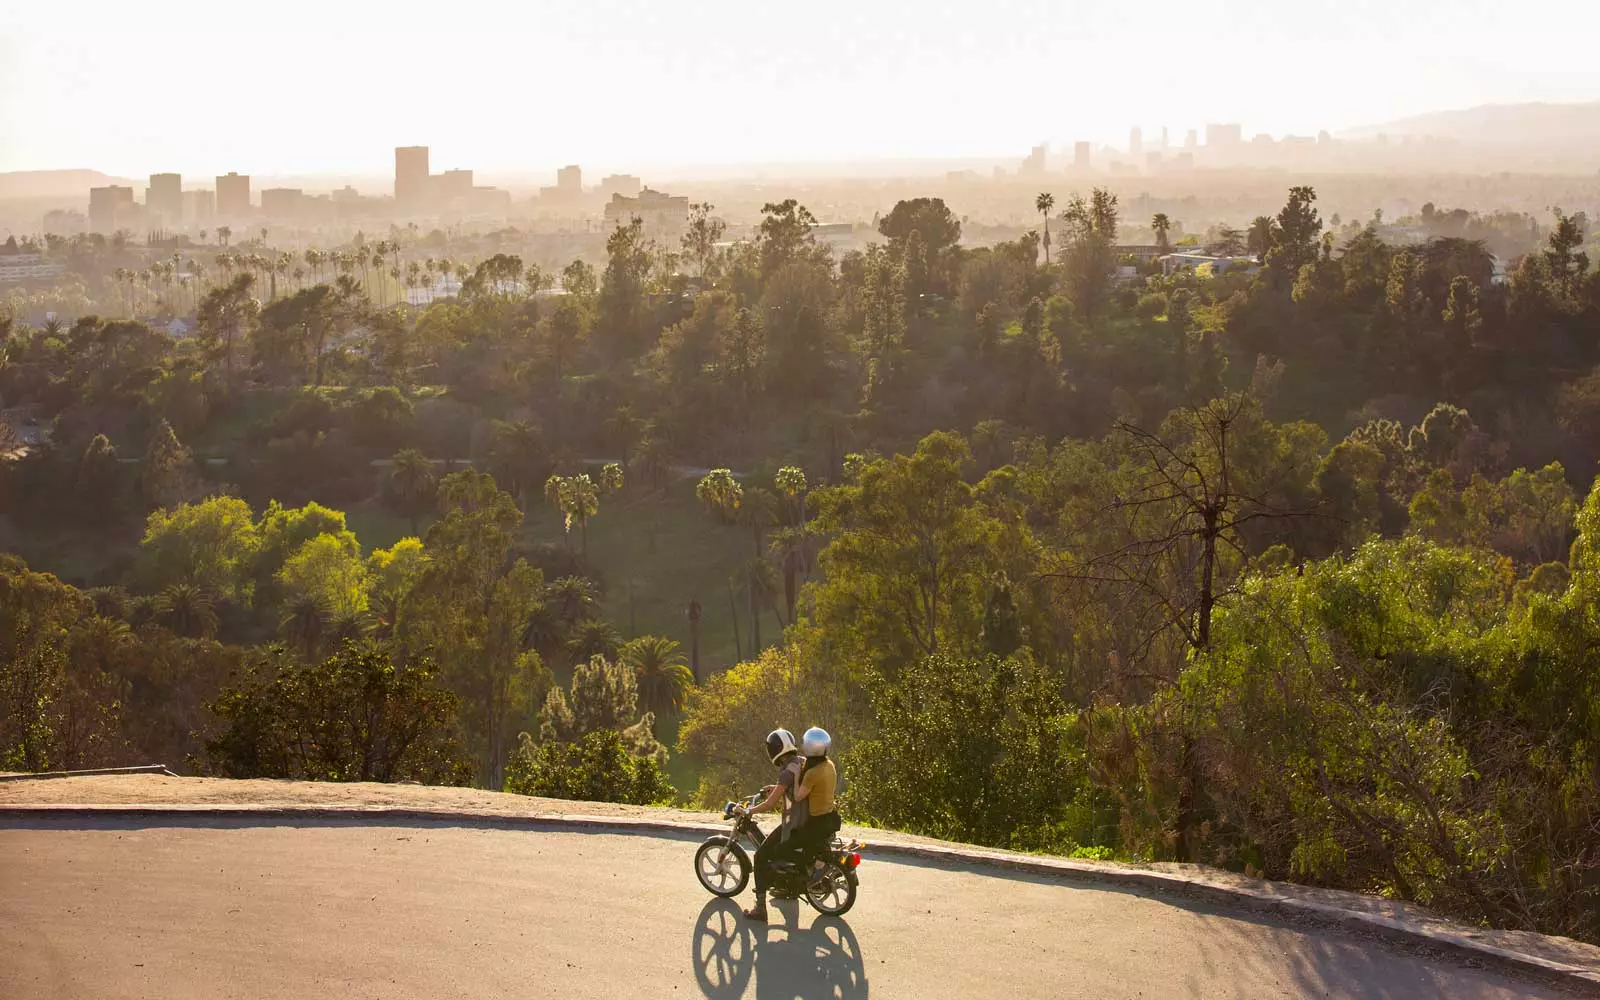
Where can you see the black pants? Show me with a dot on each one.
(808, 840)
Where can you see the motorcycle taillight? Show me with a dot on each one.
(854, 860)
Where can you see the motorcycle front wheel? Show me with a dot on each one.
(834, 892)
(722, 867)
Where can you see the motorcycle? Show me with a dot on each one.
(827, 881)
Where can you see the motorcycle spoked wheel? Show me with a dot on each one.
(834, 892)
(722, 866)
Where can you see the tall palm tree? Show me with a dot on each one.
(1162, 226)
(664, 678)
(1043, 204)
(413, 483)
(187, 610)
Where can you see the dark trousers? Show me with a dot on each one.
(809, 839)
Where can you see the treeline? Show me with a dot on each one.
(1278, 565)
(1201, 642)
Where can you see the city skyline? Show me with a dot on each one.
(982, 86)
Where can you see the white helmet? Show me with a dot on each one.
(779, 743)
(816, 742)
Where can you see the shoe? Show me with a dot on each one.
(758, 912)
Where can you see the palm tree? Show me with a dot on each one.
(1162, 225)
(413, 483)
(595, 637)
(187, 610)
(1043, 204)
(664, 679)
(574, 598)
(789, 545)
(304, 623)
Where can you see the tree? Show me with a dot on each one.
(519, 458)
(1162, 226)
(1088, 251)
(211, 545)
(1044, 204)
(329, 570)
(167, 475)
(412, 485)
(784, 235)
(623, 286)
(354, 717)
(225, 318)
(578, 498)
(663, 678)
(187, 610)
(700, 238)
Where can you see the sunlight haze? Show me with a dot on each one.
(509, 88)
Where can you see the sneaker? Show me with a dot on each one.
(758, 912)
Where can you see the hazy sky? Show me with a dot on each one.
(332, 86)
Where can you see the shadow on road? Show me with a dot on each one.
(787, 962)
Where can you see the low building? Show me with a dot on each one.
(662, 214)
(1175, 262)
(65, 222)
(18, 265)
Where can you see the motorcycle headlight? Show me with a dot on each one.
(727, 811)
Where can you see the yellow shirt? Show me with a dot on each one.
(821, 779)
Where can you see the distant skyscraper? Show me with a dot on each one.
(626, 185)
(1034, 165)
(233, 195)
(1135, 142)
(411, 178)
(569, 180)
(109, 208)
(452, 185)
(282, 203)
(1191, 140)
(163, 199)
(199, 206)
(1224, 136)
(1081, 157)
(1163, 138)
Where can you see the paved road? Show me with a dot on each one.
(145, 908)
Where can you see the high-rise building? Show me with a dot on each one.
(1135, 142)
(569, 180)
(233, 195)
(1191, 140)
(452, 186)
(1081, 161)
(1034, 165)
(626, 185)
(110, 209)
(1163, 138)
(1224, 136)
(411, 183)
(163, 200)
(282, 203)
(199, 207)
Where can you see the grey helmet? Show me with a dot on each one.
(780, 742)
(816, 742)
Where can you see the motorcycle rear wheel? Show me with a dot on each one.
(834, 892)
(722, 867)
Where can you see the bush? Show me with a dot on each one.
(354, 717)
(596, 768)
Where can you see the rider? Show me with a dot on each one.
(811, 820)
(786, 757)
(818, 783)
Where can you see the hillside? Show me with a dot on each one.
(1553, 125)
(73, 184)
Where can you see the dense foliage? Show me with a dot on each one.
(1280, 562)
